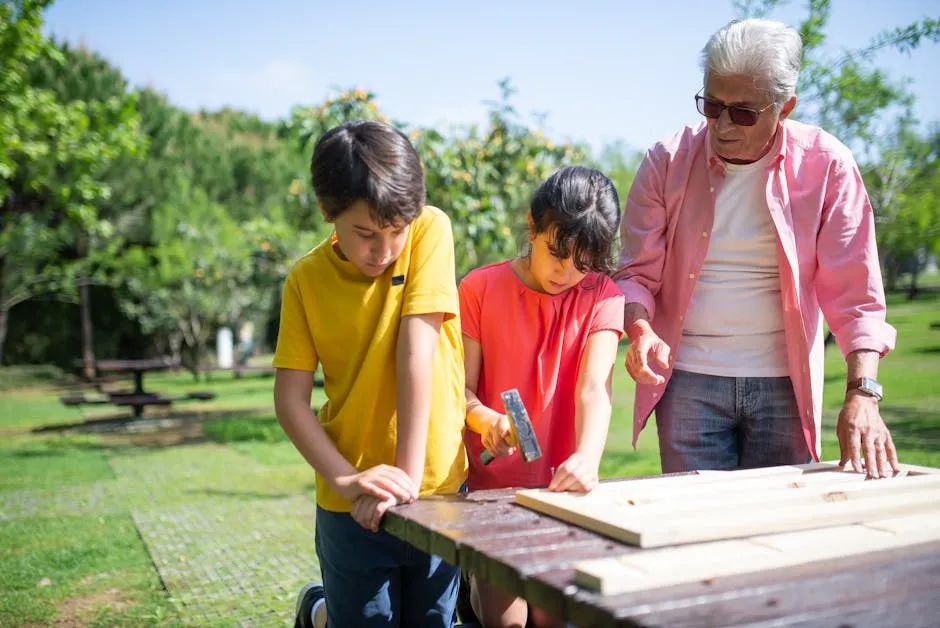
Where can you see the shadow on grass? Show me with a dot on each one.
(166, 430)
(928, 350)
(55, 449)
(912, 428)
(245, 495)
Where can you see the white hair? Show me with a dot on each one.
(765, 49)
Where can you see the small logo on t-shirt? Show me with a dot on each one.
(398, 280)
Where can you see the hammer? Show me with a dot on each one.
(520, 427)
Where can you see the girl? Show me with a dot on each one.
(548, 324)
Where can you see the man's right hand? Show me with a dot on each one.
(645, 345)
(382, 481)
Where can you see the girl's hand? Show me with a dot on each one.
(575, 474)
(497, 438)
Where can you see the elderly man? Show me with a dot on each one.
(738, 237)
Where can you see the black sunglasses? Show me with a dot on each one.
(741, 116)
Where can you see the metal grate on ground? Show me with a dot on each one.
(232, 539)
(240, 562)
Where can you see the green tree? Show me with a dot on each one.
(304, 126)
(204, 270)
(848, 95)
(905, 192)
(483, 176)
(178, 288)
(78, 75)
(620, 163)
(53, 153)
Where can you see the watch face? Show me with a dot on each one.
(871, 386)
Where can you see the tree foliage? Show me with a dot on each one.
(190, 220)
(847, 94)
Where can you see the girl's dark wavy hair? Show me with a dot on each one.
(581, 208)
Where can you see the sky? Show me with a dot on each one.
(599, 71)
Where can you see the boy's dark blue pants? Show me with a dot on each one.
(375, 579)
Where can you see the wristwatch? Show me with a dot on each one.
(867, 385)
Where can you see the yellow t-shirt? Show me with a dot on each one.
(334, 315)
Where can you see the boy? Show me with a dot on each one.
(376, 306)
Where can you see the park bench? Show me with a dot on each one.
(138, 398)
(134, 400)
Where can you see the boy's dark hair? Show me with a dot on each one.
(582, 207)
(369, 161)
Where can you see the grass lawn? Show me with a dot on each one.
(81, 511)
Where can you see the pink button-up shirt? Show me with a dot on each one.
(825, 250)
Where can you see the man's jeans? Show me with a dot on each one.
(712, 422)
(376, 579)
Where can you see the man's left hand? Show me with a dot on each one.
(862, 432)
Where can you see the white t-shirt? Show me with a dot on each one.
(734, 324)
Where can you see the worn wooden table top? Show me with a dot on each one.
(532, 555)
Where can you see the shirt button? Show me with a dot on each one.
(711, 189)
(682, 318)
(691, 275)
(704, 234)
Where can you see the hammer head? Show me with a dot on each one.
(522, 433)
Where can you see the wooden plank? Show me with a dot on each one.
(827, 593)
(655, 526)
(758, 486)
(885, 584)
(907, 469)
(806, 490)
(672, 566)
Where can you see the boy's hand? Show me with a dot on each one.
(367, 511)
(497, 437)
(381, 481)
(575, 474)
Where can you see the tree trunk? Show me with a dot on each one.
(4, 310)
(176, 342)
(4, 315)
(912, 292)
(84, 305)
(891, 274)
(88, 345)
(197, 351)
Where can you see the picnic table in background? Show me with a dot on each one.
(879, 572)
(139, 398)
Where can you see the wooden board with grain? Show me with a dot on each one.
(671, 566)
(883, 572)
(733, 504)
